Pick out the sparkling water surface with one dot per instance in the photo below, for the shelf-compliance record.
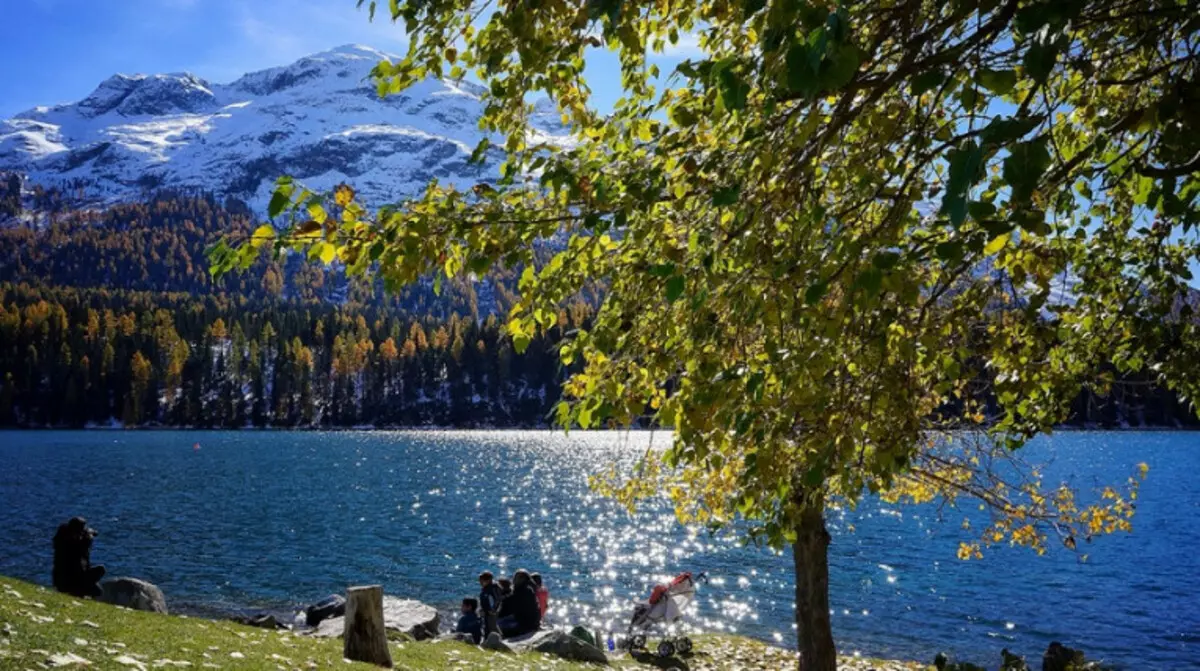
(273, 520)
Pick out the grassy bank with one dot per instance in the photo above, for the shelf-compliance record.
(40, 627)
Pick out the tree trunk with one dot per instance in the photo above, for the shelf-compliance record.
(364, 635)
(810, 554)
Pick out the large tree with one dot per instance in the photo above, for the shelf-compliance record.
(843, 231)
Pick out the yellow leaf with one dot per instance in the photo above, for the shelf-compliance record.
(328, 252)
(343, 194)
(261, 235)
(317, 212)
(996, 244)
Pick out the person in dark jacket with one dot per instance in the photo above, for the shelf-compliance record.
(470, 623)
(489, 601)
(519, 613)
(73, 571)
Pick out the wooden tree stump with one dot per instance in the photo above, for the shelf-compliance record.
(364, 635)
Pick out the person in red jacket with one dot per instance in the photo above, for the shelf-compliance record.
(543, 594)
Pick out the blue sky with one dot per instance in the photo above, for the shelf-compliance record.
(57, 51)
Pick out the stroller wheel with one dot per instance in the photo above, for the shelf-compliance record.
(666, 649)
(683, 644)
(637, 642)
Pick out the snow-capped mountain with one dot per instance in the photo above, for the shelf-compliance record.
(318, 119)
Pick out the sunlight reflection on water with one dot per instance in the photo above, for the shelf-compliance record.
(274, 520)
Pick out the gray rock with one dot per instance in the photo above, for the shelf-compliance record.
(333, 605)
(403, 616)
(494, 642)
(133, 593)
(561, 644)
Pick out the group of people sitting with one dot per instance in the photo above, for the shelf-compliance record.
(509, 607)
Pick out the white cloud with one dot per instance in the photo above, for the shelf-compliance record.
(687, 46)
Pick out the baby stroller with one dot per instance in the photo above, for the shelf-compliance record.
(664, 607)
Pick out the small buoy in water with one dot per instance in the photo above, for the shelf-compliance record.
(196, 446)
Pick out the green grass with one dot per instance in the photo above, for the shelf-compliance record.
(37, 623)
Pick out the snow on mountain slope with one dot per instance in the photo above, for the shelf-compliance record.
(318, 119)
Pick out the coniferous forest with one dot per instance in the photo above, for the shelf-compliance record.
(110, 317)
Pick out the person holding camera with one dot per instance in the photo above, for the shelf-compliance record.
(73, 570)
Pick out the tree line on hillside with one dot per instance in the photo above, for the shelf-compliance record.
(112, 315)
(158, 245)
(75, 358)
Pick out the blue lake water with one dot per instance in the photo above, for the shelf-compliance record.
(273, 520)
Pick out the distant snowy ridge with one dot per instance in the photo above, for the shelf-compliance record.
(318, 119)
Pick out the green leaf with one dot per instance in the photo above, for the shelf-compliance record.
(869, 280)
(801, 78)
(1023, 168)
(734, 89)
(480, 152)
(1000, 82)
(980, 210)
(950, 251)
(1040, 59)
(839, 68)
(727, 195)
(815, 292)
(968, 96)
(966, 168)
(886, 260)
(675, 287)
(662, 269)
(1003, 130)
(521, 342)
(927, 81)
(682, 116)
(279, 202)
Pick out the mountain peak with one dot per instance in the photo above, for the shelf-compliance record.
(318, 119)
(354, 51)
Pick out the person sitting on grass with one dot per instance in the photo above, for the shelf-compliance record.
(469, 624)
(543, 594)
(73, 571)
(519, 614)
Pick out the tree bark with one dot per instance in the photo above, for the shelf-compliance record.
(810, 554)
(364, 635)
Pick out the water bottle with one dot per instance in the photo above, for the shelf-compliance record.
(611, 645)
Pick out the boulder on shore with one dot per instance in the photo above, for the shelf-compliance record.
(133, 593)
(333, 605)
(560, 644)
(404, 616)
(494, 642)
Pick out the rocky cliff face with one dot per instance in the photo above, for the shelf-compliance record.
(318, 119)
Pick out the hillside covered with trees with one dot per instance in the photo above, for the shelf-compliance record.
(111, 317)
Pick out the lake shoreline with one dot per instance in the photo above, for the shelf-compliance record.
(272, 521)
(47, 626)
